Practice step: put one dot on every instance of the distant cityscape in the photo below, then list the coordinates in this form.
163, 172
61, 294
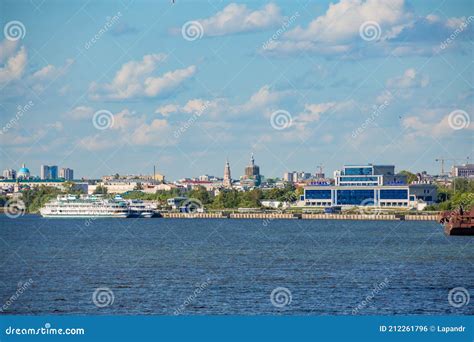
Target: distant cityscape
377, 185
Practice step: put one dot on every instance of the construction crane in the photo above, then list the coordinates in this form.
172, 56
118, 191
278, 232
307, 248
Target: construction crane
443, 160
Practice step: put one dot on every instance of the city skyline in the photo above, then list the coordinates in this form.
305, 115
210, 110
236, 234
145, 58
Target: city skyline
47, 172
116, 88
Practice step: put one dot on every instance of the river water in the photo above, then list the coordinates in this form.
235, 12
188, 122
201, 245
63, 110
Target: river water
230, 266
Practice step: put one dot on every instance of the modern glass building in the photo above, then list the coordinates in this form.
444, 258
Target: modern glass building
361, 185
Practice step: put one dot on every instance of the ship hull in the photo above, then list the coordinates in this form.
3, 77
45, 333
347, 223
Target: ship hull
459, 231
85, 216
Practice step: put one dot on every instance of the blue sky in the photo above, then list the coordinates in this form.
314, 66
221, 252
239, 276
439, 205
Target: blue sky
115, 87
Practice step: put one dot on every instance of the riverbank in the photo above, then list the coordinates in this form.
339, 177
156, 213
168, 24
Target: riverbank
289, 216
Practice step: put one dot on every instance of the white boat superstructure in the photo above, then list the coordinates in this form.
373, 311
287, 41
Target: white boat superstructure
140, 209
84, 207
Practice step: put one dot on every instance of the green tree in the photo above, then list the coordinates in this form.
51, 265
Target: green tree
100, 190
410, 176
201, 194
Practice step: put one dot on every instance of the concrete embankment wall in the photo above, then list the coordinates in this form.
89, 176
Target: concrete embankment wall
348, 217
262, 216
193, 215
421, 217
276, 216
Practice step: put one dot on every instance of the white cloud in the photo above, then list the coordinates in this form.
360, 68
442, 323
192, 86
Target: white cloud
265, 99
342, 20
96, 143
135, 79
80, 113
14, 66
435, 123
157, 133
337, 31
409, 79
126, 120
7, 49
131, 129
237, 18
312, 112
171, 80
51, 72
168, 109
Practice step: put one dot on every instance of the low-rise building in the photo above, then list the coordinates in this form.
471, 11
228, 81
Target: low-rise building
424, 190
466, 170
19, 184
360, 185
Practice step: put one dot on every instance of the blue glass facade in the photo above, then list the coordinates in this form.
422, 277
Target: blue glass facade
390, 194
354, 197
53, 172
318, 194
361, 185
358, 179
354, 171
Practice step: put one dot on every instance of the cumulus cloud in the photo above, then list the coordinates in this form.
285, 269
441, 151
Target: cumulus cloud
312, 112
410, 79
13, 64
80, 113
156, 133
342, 20
129, 128
236, 18
50, 72
96, 143
171, 80
337, 32
7, 49
263, 101
434, 123
135, 79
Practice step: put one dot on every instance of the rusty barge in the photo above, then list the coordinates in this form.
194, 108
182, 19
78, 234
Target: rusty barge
458, 222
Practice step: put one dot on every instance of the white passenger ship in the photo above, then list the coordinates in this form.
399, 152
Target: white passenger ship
140, 209
84, 207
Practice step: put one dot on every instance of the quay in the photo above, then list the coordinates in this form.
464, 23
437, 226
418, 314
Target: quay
292, 216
